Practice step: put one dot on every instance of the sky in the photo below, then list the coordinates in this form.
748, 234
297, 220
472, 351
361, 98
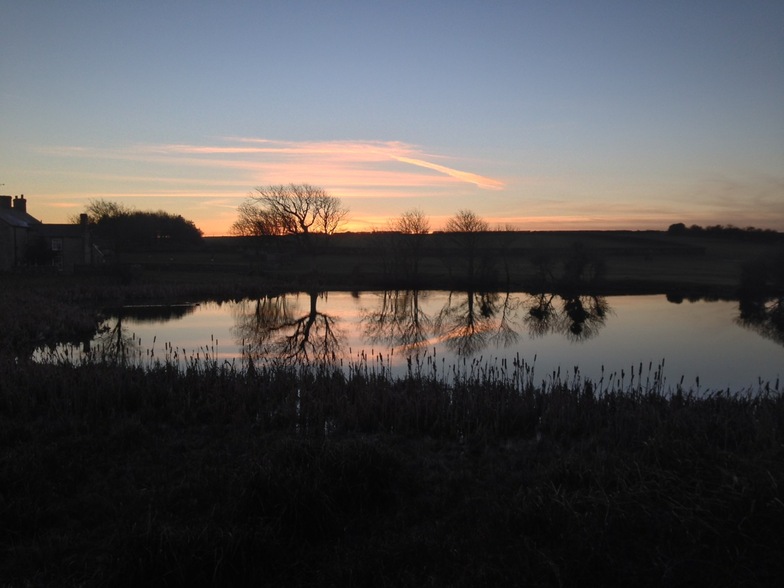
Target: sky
536, 115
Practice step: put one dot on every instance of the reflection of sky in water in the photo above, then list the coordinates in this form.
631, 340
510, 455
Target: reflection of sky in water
697, 339
694, 340
209, 326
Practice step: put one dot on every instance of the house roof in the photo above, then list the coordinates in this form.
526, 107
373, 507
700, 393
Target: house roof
17, 218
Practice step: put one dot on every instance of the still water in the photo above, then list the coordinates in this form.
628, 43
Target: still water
703, 345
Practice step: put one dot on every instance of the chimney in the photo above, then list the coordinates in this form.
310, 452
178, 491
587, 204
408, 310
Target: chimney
5, 202
83, 219
20, 203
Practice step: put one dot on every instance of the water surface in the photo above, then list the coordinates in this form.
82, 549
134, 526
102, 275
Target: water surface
702, 345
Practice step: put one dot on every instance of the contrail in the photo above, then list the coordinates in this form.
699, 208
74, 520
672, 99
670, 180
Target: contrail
480, 181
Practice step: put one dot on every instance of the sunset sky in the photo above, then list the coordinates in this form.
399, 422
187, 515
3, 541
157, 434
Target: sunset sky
536, 114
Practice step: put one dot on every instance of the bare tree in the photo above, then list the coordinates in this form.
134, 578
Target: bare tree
331, 214
255, 221
466, 221
405, 244
465, 227
412, 222
294, 209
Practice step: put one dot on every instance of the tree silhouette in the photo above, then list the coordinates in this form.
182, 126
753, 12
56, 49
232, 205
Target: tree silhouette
405, 244
464, 230
100, 209
293, 209
129, 228
412, 222
467, 221
254, 221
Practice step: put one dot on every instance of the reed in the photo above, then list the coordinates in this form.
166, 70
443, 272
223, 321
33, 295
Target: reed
174, 470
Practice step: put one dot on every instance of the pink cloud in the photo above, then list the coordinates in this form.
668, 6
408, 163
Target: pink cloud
330, 162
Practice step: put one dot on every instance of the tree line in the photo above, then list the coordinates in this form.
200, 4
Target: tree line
299, 210
302, 210
127, 227
728, 231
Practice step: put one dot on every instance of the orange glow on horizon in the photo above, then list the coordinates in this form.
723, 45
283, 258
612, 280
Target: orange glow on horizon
377, 181
215, 217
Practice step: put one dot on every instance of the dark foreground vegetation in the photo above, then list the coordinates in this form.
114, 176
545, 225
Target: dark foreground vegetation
283, 476
241, 474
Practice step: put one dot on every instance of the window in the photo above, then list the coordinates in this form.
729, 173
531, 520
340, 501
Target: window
57, 244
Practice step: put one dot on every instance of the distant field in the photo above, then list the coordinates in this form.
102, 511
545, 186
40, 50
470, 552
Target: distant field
633, 261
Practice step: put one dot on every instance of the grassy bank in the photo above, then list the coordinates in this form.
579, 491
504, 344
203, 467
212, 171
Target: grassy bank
229, 475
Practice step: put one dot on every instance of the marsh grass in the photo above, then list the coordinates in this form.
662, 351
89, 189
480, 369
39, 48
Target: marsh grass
201, 472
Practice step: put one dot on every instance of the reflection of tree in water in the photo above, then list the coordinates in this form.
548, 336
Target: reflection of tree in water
541, 316
398, 320
273, 327
114, 342
762, 296
765, 316
467, 325
505, 333
584, 316
580, 317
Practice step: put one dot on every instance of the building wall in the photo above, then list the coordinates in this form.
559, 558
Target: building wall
72, 253
6, 247
13, 244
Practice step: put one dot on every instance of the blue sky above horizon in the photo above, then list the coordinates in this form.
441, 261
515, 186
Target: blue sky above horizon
539, 115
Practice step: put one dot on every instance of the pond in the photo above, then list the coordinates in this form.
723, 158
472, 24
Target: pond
701, 345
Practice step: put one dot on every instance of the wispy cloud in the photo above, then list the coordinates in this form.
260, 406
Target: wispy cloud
376, 178
349, 163
463, 176
371, 169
